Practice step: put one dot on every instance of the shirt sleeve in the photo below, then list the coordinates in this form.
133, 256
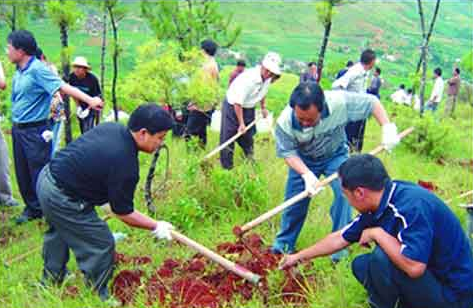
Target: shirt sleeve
359, 105
239, 89
352, 232
286, 145
417, 235
46, 79
121, 189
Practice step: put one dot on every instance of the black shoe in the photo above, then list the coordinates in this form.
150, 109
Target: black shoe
27, 217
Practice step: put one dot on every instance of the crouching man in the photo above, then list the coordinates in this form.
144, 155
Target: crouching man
99, 167
422, 257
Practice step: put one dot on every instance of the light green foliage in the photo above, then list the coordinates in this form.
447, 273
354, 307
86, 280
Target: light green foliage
467, 62
64, 12
189, 22
15, 9
203, 91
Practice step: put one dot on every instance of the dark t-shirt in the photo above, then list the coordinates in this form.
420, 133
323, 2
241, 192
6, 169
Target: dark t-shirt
89, 84
100, 166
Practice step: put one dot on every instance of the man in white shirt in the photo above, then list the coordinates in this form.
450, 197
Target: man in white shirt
238, 109
354, 80
437, 91
400, 96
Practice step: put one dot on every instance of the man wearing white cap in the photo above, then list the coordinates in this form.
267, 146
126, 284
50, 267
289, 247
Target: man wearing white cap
83, 79
238, 108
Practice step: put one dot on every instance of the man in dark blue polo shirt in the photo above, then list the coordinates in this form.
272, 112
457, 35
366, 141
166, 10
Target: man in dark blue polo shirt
422, 256
100, 166
33, 87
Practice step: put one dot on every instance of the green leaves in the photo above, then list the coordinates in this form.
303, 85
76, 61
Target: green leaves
64, 12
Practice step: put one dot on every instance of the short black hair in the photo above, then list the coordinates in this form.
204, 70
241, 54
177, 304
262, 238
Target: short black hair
378, 70
24, 40
438, 71
349, 63
241, 63
307, 94
311, 63
39, 53
209, 46
409, 91
151, 117
457, 70
367, 56
363, 170
402, 86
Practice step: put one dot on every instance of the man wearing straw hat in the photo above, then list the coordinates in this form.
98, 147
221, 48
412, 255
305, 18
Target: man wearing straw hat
83, 79
99, 167
238, 108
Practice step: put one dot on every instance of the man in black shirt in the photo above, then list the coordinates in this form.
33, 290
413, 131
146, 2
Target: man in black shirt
100, 166
83, 79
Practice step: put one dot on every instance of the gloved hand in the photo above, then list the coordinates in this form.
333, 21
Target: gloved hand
310, 180
390, 137
82, 113
163, 230
47, 135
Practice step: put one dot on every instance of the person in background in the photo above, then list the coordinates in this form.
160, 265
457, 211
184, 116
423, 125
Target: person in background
33, 88
311, 74
354, 80
6, 196
437, 91
400, 95
344, 70
452, 92
376, 83
240, 67
84, 80
422, 257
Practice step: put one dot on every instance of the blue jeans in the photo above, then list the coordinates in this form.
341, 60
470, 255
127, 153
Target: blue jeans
388, 286
56, 128
293, 217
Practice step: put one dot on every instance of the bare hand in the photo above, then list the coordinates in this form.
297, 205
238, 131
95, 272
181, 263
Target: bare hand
367, 237
96, 103
288, 261
242, 128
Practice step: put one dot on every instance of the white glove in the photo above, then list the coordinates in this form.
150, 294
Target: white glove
390, 137
82, 113
163, 230
47, 135
310, 180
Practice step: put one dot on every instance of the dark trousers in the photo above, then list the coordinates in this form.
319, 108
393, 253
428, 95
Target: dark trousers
355, 134
88, 122
197, 126
229, 128
388, 286
31, 153
74, 224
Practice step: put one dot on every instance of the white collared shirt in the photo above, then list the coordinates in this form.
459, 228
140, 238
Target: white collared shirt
248, 88
354, 80
437, 90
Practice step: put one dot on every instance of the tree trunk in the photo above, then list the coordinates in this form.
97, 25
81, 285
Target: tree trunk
320, 62
102, 57
115, 63
422, 56
65, 77
13, 18
431, 28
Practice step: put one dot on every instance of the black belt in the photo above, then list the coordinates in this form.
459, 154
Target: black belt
30, 124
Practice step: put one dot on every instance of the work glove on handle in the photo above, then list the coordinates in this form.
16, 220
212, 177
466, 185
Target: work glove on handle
390, 137
310, 180
163, 230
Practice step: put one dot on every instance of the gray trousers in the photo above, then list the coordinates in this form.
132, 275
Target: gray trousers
229, 128
5, 184
74, 224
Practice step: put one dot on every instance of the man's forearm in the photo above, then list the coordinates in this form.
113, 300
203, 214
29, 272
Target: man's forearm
380, 114
136, 219
296, 163
330, 244
239, 113
75, 93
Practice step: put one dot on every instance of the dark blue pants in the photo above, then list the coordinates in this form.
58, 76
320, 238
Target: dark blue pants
87, 123
355, 134
388, 286
31, 153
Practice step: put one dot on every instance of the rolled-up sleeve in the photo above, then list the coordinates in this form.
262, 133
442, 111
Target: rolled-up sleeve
359, 105
286, 145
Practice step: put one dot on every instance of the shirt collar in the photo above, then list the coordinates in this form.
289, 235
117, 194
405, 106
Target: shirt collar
27, 66
389, 189
297, 126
